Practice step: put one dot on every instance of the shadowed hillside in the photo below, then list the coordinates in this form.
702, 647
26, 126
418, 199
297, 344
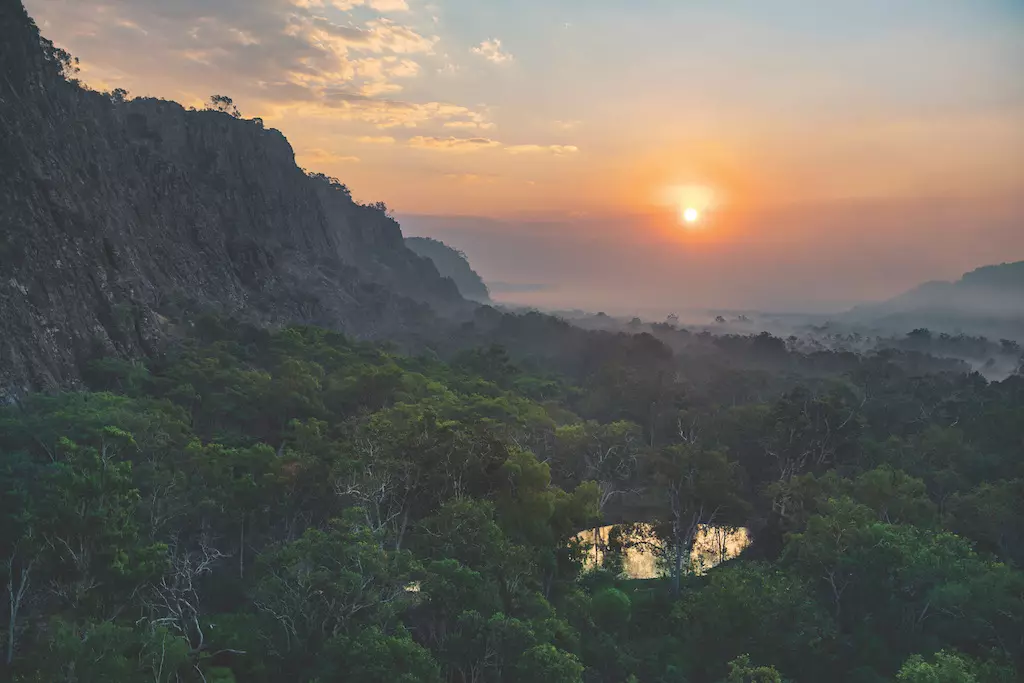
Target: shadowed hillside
453, 264
988, 300
116, 215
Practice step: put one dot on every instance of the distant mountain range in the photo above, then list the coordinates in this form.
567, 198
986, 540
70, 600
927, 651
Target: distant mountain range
988, 300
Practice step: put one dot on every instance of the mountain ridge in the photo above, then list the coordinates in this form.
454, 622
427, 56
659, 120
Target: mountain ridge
116, 216
989, 299
454, 264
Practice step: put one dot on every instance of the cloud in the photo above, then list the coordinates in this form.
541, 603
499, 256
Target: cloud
345, 105
478, 125
376, 140
126, 23
491, 51
379, 5
378, 35
349, 5
271, 56
452, 144
449, 68
558, 150
322, 156
472, 178
566, 125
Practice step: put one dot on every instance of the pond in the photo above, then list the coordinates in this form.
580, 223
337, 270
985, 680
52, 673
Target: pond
642, 555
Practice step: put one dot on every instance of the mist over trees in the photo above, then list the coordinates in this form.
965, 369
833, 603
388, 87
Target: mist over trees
264, 505
203, 479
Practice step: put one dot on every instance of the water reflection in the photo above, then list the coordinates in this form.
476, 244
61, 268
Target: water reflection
635, 551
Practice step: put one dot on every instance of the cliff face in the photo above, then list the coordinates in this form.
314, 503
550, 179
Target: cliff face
453, 264
115, 216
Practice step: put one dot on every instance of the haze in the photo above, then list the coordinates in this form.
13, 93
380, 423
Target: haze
854, 149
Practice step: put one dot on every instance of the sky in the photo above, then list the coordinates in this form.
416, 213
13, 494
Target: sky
836, 151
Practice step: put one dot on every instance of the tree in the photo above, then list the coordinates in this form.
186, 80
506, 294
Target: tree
947, 666
109, 652
225, 104
372, 656
756, 609
700, 487
993, 515
606, 454
20, 536
330, 583
547, 663
742, 671
911, 584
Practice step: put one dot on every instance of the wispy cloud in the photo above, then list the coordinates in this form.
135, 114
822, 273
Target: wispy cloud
492, 52
542, 149
452, 144
376, 140
347, 5
470, 125
322, 156
472, 178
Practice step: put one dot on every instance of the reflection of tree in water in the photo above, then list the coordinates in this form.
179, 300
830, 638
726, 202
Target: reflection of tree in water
635, 551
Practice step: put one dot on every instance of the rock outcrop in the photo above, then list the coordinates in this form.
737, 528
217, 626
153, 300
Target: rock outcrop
453, 264
116, 216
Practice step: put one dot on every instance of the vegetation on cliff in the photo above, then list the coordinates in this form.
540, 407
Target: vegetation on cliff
117, 214
453, 264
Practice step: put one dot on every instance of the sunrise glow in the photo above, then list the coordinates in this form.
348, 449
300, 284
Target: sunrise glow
565, 169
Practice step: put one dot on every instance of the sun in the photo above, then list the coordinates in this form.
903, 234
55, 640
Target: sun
690, 214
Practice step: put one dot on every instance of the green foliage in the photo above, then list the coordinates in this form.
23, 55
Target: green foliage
104, 651
374, 657
330, 583
548, 663
754, 609
948, 666
742, 671
292, 505
611, 609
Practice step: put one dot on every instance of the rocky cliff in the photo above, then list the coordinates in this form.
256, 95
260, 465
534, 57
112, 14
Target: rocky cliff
116, 216
453, 264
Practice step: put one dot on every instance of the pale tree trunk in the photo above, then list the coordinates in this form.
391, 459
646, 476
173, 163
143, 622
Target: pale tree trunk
677, 569
15, 596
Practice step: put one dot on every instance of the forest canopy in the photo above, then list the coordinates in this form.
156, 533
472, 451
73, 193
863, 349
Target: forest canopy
292, 505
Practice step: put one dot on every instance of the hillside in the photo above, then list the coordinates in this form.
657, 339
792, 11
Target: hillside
453, 264
988, 300
116, 216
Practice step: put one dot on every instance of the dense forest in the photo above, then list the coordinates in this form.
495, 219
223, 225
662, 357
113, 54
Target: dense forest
259, 505
247, 435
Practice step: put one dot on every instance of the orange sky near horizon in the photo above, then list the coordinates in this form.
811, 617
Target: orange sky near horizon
571, 113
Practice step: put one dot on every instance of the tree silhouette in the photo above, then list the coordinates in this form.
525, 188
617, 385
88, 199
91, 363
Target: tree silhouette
225, 104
